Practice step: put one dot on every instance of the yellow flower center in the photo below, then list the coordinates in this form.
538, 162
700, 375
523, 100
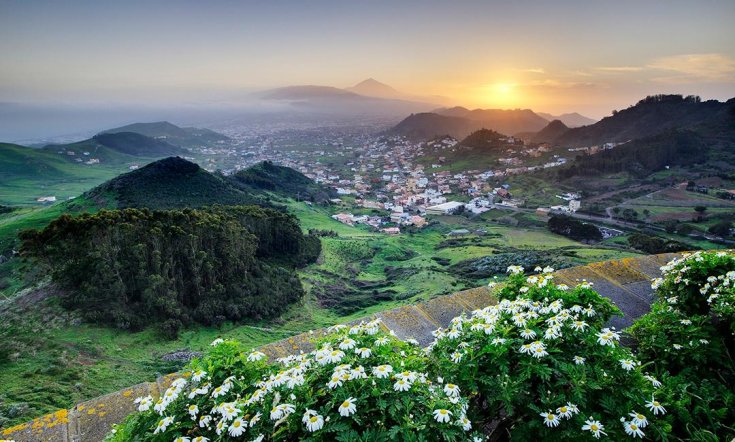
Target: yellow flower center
550, 417
656, 404
442, 411
313, 419
633, 427
563, 409
640, 417
345, 404
236, 424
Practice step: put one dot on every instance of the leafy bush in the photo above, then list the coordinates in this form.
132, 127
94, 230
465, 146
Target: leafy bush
541, 364
538, 364
688, 337
361, 384
572, 228
654, 244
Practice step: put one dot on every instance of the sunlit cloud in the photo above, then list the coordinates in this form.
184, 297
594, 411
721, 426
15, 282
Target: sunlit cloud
534, 70
695, 67
620, 68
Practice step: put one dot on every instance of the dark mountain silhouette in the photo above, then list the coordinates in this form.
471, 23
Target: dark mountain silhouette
482, 139
572, 119
551, 132
374, 88
424, 126
460, 122
332, 101
650, 116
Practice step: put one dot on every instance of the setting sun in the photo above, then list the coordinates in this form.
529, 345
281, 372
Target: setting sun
500, 95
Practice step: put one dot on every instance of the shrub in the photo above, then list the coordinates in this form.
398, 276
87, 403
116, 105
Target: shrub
361, 384
541, 364
688, 339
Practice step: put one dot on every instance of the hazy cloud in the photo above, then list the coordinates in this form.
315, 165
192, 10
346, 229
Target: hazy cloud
620, 68
695, 67
534, 70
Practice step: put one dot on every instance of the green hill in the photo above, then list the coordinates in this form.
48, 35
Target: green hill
282, 180
170, 133
169, 183
27, 173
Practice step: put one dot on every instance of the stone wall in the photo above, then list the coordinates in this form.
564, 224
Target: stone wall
625, 281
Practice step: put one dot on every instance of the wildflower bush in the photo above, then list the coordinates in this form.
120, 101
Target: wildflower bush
361, 384
688, 337
540, 363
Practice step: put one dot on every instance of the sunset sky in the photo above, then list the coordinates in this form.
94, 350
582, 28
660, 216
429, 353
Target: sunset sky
587, 56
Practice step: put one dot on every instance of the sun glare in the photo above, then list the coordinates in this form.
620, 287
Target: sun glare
503, 95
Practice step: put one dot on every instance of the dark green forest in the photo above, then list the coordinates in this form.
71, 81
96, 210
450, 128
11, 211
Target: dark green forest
132, 268
642, 157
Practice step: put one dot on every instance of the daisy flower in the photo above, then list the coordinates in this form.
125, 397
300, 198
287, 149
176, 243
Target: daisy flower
402, 385
579, 360
451, 390
633, 430
193, 411
528, 334
144, 403
217, 342
639, 419
335, 382
627, 364
655, 406
315, 423
442, 415
255, 356
198, 375
200, 439
182, 439
348, 407
363, 352
655, 382
237, 427
163, 424
347, 344
382, 371
594, 427
456, 357
539, 352
565, 411
550, 419
204, 421
465, 423
607, 337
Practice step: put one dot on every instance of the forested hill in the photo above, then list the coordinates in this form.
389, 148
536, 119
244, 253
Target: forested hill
176, 183
651, 116
170, 133
135, 268
643, 157
169, 183
282, 180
